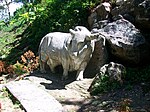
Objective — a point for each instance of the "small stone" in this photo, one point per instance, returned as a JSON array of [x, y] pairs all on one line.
[[114, 111], [101, 110], [1, 79], [1, 87], [143, 110]]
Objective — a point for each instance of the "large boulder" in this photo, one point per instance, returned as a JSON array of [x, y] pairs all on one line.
[[125, 41], [136, 11]]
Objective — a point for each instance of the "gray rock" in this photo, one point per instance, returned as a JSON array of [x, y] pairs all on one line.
[[136, 11], [100, 13], [125, 41], [113, 71], [120, 2]]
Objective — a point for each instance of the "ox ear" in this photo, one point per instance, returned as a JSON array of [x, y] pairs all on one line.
[[94, 36], [98, 36], [72, 31]]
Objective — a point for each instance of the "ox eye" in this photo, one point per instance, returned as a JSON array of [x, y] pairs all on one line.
[[75, 30], [80, 44]]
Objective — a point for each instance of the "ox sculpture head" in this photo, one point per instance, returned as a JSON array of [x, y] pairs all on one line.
[[81, 39]]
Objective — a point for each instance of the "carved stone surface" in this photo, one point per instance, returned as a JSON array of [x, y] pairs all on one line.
[[71, 50], [32, 98]]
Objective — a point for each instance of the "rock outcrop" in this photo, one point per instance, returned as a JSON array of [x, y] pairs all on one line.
[[125, 41], [136, 11], [100, 13], [124, 33]]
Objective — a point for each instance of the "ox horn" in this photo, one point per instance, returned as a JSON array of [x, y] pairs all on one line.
[[72, 31], [98, 36], [94, 36]]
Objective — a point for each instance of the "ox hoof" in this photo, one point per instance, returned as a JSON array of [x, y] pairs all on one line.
[[64, 78], [79, 79]]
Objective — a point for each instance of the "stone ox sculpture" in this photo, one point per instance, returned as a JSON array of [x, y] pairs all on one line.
[[71, 50]]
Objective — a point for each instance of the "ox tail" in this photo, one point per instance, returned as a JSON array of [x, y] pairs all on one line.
[[43, 44], [39, 49], [42, 53]]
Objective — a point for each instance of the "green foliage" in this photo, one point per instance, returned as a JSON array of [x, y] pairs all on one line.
[[18, 68], [28, 13], [103, 84], [5, 39], [62, 15], [25, 15], [136, 75], [133, 76], [48, 16], [56, 15], [2, 24], [40, 18]]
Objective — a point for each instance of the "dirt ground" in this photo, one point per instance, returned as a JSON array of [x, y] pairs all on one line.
[[74, 97]]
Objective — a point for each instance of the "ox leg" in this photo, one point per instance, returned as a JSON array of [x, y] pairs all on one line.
[[42, 66], [52, 68], [43, 59], [79, 75], [51, 65], [65, 71], [80, 72]]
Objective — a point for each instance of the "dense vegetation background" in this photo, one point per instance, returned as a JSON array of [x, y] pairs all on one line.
[[34, 20], [29, 24]]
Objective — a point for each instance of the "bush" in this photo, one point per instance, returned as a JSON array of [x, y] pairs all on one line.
[[136, 75], [102, 84], [133, 76], [57, 16]]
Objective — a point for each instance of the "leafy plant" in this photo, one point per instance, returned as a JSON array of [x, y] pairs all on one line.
[[19, 68], [125, 105], [31, 13], [136, 75], [102, 84], [2, 24]]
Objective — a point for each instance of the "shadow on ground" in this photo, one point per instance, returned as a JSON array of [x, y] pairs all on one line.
[[76, 99], [122, 100], [54, 80]]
